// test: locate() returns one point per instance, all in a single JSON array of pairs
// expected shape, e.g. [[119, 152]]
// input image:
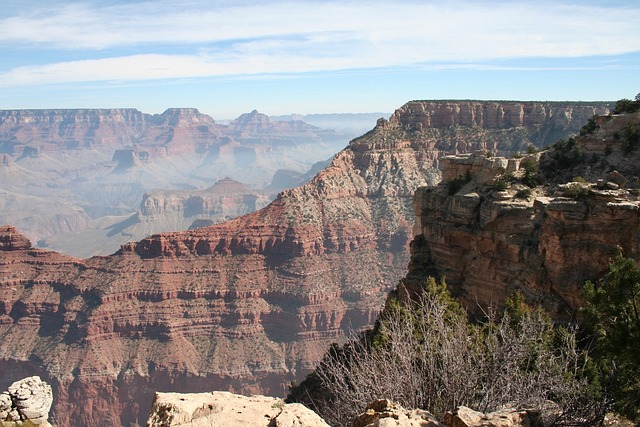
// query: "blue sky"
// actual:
[[227, 57]]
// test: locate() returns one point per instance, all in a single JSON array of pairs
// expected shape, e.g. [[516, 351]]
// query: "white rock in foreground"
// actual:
[[224, 409], [27, 402]]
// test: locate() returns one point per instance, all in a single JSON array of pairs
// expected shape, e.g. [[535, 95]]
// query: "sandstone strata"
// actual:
[[223, 409], [65, 171], [245, 306], [488, 243], [12, 240]]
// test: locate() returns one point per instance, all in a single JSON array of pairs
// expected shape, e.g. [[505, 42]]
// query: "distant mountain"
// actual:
[[64, 171], [349, 123], [162, 211]]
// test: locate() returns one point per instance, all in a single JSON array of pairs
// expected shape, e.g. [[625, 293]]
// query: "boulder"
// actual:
[[466, 417], [385, 413], [26, 403], [222, 409]]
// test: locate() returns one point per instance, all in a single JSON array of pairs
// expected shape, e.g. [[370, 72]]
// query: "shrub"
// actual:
[[613, 310], [576, 189], [454, 185], [631, 138], [590, 127], [524, 193], [626, 106], [426, 354], [530, 166], [500, 184]]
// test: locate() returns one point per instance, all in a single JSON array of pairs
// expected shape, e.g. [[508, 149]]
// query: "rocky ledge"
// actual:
[[493, 227], [223, 409]]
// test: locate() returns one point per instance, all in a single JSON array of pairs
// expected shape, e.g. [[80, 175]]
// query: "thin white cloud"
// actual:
[[238, 38]]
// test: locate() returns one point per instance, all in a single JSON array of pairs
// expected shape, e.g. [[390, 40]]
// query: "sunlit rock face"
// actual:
[[246, 306], [490, 242]]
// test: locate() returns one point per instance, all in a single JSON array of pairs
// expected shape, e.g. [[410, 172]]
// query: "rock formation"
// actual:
[[465, 417], [545, 241], [384, 413], [161, 211], [11, 240], [26, 403], [247, 305], [64, 171], [223, 409]]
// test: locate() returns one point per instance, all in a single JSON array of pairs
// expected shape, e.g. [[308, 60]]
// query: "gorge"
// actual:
[[252, 304]]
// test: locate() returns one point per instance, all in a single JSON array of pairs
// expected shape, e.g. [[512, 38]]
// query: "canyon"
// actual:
[[76, 180], [251, 304]]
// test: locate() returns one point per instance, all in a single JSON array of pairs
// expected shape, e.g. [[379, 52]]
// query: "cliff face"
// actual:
[[27, 132], [488, 243], [500, 127], [245, 306]]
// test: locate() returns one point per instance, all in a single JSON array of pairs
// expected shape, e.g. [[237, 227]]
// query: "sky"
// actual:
[[228, 57]]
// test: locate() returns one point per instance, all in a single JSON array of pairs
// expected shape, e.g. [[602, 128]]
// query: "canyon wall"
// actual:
[[67, 174], [246, 306], [546, 241]]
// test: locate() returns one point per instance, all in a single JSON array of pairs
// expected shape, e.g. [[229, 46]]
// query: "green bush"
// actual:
[[530, 166], [613, 310], [627, 106], [576, 189], [590, 127], [631, 138], [454, 185], [524, 193], [500, 184], [580, 180]]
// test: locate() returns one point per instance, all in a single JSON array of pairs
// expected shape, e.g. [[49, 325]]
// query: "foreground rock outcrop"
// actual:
[[223, 409], [466, 417], [251, 304], [384, 413], [26, 403]]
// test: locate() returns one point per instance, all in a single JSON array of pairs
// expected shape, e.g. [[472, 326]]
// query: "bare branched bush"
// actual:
[[426, 354]]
